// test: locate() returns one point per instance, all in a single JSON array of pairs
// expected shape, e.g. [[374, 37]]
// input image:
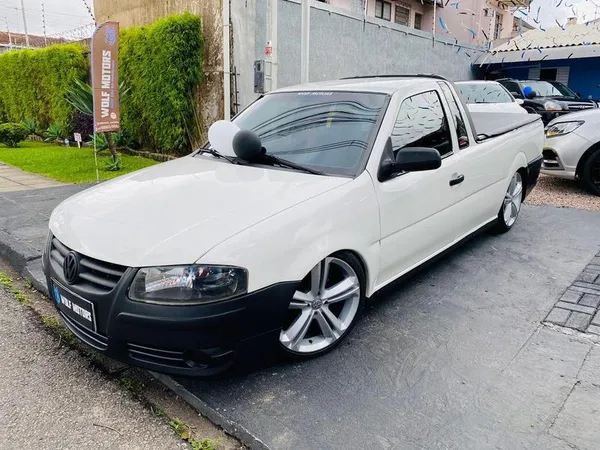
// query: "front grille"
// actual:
[[95, 274], [91, 338], [580, 107], [157, 356]]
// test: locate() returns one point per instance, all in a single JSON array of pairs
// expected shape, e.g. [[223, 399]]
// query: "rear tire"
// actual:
[[511, 206], [325, 307], [591, 173]]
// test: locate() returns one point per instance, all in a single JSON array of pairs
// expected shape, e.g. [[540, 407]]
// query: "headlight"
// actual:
[[552, 106], [188, 285], [558, 129]]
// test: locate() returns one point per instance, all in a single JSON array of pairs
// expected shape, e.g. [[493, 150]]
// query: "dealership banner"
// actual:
[[105, 77]]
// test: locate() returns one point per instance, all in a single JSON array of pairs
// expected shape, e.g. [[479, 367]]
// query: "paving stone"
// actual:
[[558, 316], [587, 277], [586, 285], [578, 321], [594, 329], [585, 290], [573, 307], [590, 300], [571, 296], [595, 261], [596, 319]]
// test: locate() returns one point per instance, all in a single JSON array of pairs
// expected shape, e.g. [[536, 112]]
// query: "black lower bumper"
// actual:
[[201, 340], [533, 173]]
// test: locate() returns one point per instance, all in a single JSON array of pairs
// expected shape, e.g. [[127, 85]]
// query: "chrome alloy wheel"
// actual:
[[323, 308], [512, 200]]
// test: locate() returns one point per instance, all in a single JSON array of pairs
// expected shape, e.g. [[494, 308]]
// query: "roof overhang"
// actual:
[[545, 54]]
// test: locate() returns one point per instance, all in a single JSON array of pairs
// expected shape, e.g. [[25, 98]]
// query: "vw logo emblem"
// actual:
[[71, 267]]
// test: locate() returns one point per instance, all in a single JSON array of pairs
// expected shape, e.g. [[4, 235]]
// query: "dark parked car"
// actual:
[[549, 99]]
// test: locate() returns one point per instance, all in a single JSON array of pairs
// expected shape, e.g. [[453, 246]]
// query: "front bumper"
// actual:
[[562, 154], [201, 340]]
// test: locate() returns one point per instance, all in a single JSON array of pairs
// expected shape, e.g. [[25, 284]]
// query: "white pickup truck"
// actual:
[[274, 235]]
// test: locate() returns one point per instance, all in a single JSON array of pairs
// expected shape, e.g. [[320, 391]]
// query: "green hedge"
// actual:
[[33, 83], [161, 64]]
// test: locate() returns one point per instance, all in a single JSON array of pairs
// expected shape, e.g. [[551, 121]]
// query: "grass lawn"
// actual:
[[69, 164]]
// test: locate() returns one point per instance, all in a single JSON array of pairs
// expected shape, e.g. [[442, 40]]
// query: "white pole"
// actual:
[[44, 25], [305, 41], [274, 14], [10, 47], [25, 24], [96, 159], [226, 63]]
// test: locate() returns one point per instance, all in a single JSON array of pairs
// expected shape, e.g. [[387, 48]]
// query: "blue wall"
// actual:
[[584, 74]]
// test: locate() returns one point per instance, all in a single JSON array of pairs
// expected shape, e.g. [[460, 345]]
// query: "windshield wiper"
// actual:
[[284, 163], [216, 154]]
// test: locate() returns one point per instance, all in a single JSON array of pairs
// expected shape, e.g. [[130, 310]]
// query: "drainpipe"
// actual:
[[274, 44], [226, 63], [304, 41]]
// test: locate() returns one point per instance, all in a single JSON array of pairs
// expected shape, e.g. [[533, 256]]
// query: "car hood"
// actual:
[[175, 212], [589, 115]]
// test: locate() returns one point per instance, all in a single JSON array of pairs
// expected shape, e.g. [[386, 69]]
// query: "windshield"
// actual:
[[563, 89], [483, 93], [543, 89], [326, 131]]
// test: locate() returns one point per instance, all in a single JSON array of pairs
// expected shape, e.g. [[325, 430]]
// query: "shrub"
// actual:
[[12, 133], [84, 124], [33, 83], [56, 132], [29, 125], [162, 66]]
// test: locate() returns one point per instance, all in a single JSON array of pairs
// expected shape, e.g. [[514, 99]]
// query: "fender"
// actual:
[[347, 218]]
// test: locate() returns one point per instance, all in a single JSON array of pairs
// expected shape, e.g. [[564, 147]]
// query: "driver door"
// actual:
[[419, 211]]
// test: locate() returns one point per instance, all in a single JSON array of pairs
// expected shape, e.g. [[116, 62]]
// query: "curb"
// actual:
[[28, 262], [231, 427], [16, 252]]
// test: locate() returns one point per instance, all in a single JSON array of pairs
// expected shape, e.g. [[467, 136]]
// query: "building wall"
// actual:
[[143, 12], [342, 44], [582, 73]]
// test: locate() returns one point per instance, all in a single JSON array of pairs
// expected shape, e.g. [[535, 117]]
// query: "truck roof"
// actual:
[[387, 84]]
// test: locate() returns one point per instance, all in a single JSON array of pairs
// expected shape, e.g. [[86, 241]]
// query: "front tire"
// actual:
[[591, 173], [325, 307], [511, 206]]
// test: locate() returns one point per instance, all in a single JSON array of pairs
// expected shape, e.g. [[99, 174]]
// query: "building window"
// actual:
[[383, 10], [498, 26], [418, 21], [402, 14]]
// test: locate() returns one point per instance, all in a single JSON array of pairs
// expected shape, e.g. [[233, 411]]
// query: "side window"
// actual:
[[421, 122], [459, 123], [513, 88]]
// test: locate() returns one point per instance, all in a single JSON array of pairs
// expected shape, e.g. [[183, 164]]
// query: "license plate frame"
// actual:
[[65, 300]]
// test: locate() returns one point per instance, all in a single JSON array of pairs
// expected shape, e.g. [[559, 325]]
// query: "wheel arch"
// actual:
[[363, 263], [585, 157]]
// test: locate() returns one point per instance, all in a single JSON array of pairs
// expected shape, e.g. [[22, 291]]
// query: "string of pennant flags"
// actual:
[[530, 14]]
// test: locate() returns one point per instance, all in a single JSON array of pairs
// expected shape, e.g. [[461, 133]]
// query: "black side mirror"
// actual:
[[408, 159], [247, 145], [531, 95]]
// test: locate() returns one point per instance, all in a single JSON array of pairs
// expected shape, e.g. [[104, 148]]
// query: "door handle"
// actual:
[[457, 178]]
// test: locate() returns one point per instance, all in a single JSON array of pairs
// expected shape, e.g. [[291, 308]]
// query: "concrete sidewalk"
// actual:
[[13, 179], [50, 399]]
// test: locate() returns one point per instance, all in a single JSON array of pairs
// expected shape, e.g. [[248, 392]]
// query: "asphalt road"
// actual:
[[456, 358], [453, 359], [51, 398]]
